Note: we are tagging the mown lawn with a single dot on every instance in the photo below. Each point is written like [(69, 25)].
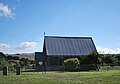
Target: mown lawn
[(91, 77)]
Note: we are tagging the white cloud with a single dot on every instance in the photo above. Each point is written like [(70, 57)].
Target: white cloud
[(4, 46), (108, 50), (6, 11), (27, 45)]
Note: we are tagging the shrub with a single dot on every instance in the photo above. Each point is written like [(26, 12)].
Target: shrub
[(111, 60), (91, 61), (72, 64)]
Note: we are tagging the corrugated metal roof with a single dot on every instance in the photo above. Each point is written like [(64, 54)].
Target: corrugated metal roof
[(70, 46)]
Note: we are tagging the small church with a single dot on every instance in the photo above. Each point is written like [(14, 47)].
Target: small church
[(58, 48)]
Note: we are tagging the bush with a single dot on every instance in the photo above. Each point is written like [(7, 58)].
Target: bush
[(72, 64), (91, 61), (111, 60)]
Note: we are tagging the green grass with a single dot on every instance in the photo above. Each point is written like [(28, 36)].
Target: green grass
[(91, 77)]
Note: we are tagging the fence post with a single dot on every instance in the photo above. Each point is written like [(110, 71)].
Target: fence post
[(18, 70), (5, 70)]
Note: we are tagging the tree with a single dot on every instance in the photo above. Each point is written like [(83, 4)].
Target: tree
[(72, 64), (16, 58), (24, 62), (2, 55), (111, 60), (9, 57), (2, 60), (92, 60), (101, 59)]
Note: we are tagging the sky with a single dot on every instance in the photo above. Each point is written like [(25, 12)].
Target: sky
[(23, 23)]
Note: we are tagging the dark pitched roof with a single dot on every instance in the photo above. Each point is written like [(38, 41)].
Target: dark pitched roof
[(68, 46)]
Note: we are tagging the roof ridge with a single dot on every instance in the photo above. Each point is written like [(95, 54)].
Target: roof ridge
[(64, 37)]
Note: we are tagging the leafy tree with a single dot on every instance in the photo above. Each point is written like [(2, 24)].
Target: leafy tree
[(2, 55), (71, 64), (9, 57), (93, 59), (16, 58), (24, 62), (2, 60), (111, 60), (3, 63), (22, 65), (101, 59), (7, 61), (12, 65)]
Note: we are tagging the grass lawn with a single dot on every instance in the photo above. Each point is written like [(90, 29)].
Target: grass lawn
[(91, 77)]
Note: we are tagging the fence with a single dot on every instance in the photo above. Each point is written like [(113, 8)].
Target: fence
[(82, 67), (9, 70)]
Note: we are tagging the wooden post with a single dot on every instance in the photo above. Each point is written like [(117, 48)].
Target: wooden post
[(5, 70), (18, 70)]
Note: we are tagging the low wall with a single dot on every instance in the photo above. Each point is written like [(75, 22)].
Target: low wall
[(62, 68), (50, 68), (55, 68)]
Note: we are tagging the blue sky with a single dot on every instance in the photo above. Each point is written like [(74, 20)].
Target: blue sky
[(23, 23)]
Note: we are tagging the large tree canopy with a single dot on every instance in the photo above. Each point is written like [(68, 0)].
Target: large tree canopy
[(2, 55)]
